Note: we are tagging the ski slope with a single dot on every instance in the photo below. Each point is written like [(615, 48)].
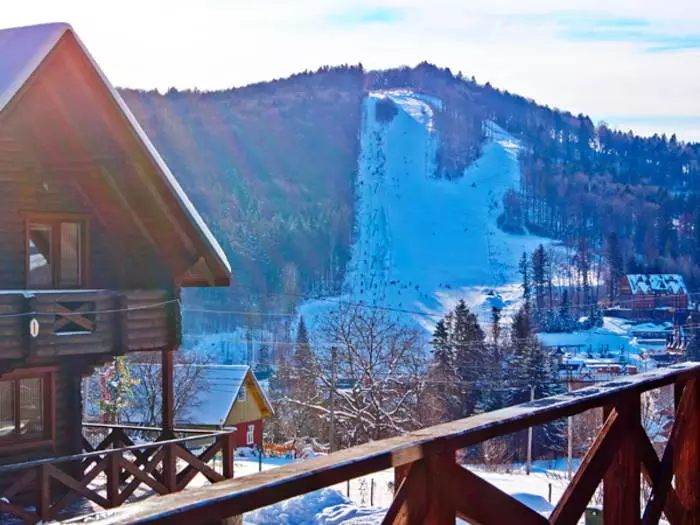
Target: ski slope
[(422, 243)]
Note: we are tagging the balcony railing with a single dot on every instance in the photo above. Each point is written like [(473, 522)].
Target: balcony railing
[(45, 323), (109, 472), (433, 488)]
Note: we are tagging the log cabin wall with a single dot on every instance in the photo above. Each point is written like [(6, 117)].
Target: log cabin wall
[(65, 417), (113, 253)]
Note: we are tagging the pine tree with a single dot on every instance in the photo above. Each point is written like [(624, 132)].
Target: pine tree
[(613, 253), (539, 275), (304, 380), (442, 350), (531, 366), (492, 382), (468, 343), (524, 269), (442, 374)]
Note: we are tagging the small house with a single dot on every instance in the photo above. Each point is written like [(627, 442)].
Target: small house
[(650, 291), (217, 397)]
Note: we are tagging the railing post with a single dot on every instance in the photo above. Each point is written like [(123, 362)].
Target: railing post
[(687, 459), (227, 454), (113, 481), (43, 506), (621, 483), (170, 467)]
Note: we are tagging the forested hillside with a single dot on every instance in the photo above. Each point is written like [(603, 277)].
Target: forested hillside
[(272, 168)]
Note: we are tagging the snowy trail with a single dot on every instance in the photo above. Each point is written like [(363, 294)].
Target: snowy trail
[(422, 243)]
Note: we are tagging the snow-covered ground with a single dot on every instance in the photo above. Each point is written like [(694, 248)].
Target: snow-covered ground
[(422, 243), (333, 505), (615, 340)]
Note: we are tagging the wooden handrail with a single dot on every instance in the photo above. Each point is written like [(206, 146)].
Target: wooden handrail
[(87, 424), (234, 497), (107, 452)]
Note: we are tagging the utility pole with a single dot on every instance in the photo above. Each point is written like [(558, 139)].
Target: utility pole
[(528, 465), (331, 430)]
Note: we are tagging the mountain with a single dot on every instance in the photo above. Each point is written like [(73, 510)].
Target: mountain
[(281, 169), (424, 241)]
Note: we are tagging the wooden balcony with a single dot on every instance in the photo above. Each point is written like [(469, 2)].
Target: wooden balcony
[(433, 488), (112, 470), (50, 323)]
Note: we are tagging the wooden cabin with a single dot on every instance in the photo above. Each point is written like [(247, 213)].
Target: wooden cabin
[(96, 240), (218, 397)]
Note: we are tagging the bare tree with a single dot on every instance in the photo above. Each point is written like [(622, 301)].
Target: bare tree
[(380, 370), (146, 395)]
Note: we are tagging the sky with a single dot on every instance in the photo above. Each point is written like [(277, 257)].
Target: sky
[(634, 64)]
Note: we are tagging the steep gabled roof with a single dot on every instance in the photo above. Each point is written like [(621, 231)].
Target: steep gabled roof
[(22, 52), (214, 394)]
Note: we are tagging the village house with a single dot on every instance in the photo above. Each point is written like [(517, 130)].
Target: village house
[(96, 240), (216, 397), (650, 291)]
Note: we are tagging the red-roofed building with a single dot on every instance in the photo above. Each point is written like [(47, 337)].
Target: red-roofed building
[(648, 291)]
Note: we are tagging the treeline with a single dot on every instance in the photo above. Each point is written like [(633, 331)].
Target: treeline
[(385, 380), (271, 166)]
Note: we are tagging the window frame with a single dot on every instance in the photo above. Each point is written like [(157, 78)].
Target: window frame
[(48, 438), (250, 435), (242, 395), (55, 219)]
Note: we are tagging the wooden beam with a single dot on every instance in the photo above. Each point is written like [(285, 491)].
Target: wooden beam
[(168, 393), (480, 503), (158, 198), (130, 210), (237, 496), (676, 442), (622, 484), (686, 452), (651, 469), (410, 505), (594, 465)]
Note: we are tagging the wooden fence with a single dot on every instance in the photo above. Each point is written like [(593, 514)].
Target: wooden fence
[(110, 472), (432, 488)]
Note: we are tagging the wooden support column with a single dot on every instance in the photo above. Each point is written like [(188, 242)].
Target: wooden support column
[(621, 483), (228, 452), (43, 504), (687, 457), (168, 394), (424, 495)]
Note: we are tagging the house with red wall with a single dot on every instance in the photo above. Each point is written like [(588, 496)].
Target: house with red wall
[(649, 291)]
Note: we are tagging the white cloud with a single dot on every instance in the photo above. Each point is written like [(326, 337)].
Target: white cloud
[(519, 46)]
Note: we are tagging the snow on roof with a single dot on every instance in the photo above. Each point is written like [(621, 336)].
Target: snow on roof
[(23, 49), (651, 327), (214, 393), (658, 283)]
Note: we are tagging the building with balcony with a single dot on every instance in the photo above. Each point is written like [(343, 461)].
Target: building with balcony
[(96, 240)]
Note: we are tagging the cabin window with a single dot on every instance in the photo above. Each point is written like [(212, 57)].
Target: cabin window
[(24, 409), (55, 253), (250, 435), (242, 394)]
